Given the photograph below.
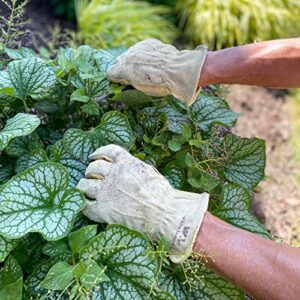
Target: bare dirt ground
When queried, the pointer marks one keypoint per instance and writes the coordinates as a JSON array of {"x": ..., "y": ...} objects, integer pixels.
[{"x": 265, "y": 114}]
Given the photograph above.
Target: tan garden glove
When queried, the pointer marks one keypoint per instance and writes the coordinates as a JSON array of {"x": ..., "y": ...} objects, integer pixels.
[
  {"x": 158, "y": 70},
  {"x": 127, "y": 191}
]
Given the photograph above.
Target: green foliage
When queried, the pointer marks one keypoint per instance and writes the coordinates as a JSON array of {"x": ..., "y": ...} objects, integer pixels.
[
  {"x": 228, "y": 23},
  {"x": 12, "y": 23},
  {"x": 107, "y": 24},
  {"x": 64, "y": 8},
  {"x": 45, "y": 240}
]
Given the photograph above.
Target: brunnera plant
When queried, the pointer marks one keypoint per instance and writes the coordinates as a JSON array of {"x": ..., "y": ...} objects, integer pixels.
[{"x": 53, "y": 114}]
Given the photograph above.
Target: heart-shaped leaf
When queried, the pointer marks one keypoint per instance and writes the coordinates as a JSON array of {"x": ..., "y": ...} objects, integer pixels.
[
  {"x": 20, "y": 125},
  {"x": 29, "y": 77},
  {"x": 39, "y": 200},
  {"x": 235, "y": 209},
  {"x": 246, "y": 159},
  {"x": 113, "y": 129},
  {"x": 122, "y": 251},
  {"x": 209, "y": 110}
]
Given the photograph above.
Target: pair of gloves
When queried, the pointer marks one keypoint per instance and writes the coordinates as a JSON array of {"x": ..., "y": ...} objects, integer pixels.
[{"x": 122, "y": 189}]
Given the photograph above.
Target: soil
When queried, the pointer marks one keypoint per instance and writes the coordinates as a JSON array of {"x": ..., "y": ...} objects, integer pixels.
[{"x": 265, "y": 114}]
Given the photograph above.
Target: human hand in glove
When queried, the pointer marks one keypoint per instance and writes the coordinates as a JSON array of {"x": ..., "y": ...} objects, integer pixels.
[
  {"x": 158, "y": 69},
  {"x": 124, "y": 190}
]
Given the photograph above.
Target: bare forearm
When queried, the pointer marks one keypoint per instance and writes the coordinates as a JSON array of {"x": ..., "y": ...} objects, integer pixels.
[
  {"x": 270, "y": 64},
  {"x": 262, "y": 268}
]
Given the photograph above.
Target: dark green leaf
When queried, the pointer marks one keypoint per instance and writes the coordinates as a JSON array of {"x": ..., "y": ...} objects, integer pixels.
[
  {"x": 11, "y": 280},
  {"x": 204, "y": 285},
  {"x": 246, "y": 159},
  {"x": 79, "y": 95},
  {"x": 56, "y": 247},
  {"x": 175, "y": 175},
  {"x": 6, "y": 246},
  {"x": 234, "y": 208},
  {"x": 113, "y": 129},
  {"x": 209, "y": 110},
  {"x": 79, "y": 238}
]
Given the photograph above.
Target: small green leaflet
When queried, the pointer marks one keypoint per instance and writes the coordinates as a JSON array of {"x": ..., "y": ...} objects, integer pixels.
[
  {"x": 235, "y": 209},
  {"x": 113, "y": 129},
  {"x": 132, "y": 97},
  {"x": 79, "y": 238},
  {"x": 122, "y": 251},
  {"x": 11, "y": 280},
  {"x": 59, "y": 277},
  {"x": 6, "y": 246},
  {"x": 209, "y": 110},
  {"x": 39, "y": 200},
  {"x": 20, "y": 125},
  {"x": 93, "y": 275},
  {"x": 208, "y": 286},
  {"x": 29, "y": 77},
  {"x": 246, "y": 159}
]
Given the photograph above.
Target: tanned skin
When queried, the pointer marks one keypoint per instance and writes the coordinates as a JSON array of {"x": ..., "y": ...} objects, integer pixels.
[
  {"x": 265, "y": 269},
  {"x": 273, "y": 64}
]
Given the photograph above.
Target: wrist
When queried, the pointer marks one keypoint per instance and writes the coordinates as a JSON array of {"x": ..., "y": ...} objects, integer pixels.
[{"x": 207, "y": 75}]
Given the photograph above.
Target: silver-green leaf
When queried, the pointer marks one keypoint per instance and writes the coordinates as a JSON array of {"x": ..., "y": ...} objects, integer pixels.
[
  {"x": 29, "y": 77},
  {"x": 130, "y": 271},
  {"x": 39, "y": 200},
  {"x": 20, "y": 125}
]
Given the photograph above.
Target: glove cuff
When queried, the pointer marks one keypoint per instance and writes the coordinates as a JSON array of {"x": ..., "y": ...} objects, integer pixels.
[
  {"x": 184, "y": 70},
  {"x": 190, "y": 211}
]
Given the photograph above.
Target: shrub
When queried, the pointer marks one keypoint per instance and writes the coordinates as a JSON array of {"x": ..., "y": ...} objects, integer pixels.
[
  {"x": 228, "y": 23},
  {"x": 54, "y": 113},
  {"x": 106, "y": 24}
]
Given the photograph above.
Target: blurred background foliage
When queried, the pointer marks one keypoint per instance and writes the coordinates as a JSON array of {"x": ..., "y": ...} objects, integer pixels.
[
  {"x": 216, "y": 23},
  {"x": 114, "y": 23},
  {"x": 225, "y": 23}
]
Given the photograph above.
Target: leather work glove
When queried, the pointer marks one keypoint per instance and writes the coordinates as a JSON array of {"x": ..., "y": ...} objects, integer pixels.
[
  {"x": 124, "y": 190},
  {"x": 159, "y": 69}
]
